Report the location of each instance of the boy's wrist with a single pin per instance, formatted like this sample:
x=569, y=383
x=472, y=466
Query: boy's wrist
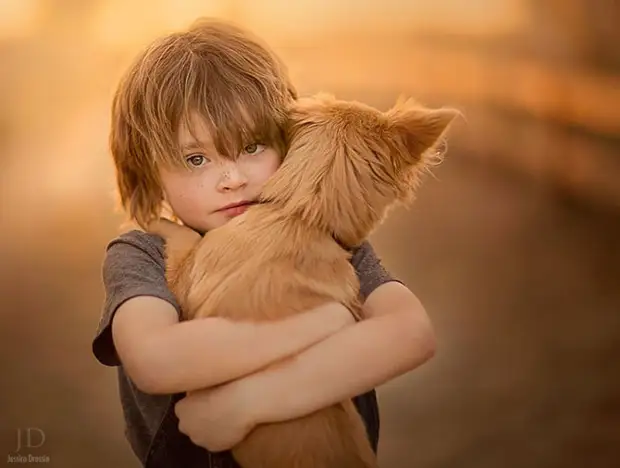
x=253, y=403
x=266, y=393
x=340, y=315
x=260, y=396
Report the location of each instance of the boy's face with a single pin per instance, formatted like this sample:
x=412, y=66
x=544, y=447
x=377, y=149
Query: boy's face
x=216, y=189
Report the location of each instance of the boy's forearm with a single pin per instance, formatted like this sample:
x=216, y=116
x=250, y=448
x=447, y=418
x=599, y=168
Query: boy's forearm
x=349, y=363
x=206, y=352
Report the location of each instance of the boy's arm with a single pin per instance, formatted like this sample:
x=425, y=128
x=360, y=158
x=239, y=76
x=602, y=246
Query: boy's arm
x=163, y=355
x=140, y=329
x=396, y=338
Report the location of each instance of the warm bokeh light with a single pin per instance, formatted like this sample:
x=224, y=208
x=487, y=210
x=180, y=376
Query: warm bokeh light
x=118, y=23
x=307, y=18
x=349, y=46
x=20, y=18
x=513, y=247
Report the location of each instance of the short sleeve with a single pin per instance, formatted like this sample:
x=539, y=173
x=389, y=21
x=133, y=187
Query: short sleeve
x=370, y=272
x=133, y=266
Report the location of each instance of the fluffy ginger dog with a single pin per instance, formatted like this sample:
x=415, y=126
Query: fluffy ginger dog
x=346, y=165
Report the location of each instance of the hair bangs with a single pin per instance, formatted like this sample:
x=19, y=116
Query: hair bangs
x=234, y=109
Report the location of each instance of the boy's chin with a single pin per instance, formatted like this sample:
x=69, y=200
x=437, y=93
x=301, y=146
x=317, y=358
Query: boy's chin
x=213, y=222
x=203, y=227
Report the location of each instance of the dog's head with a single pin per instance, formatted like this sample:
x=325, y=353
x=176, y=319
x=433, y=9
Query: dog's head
x=348, y=163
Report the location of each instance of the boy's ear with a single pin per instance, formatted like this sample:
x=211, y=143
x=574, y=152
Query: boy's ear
x=420, y=128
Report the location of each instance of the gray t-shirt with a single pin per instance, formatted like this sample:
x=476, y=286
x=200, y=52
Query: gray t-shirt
x=134, y=266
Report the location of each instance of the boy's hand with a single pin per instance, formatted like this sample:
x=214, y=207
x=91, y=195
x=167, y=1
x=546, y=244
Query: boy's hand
x=217, y=418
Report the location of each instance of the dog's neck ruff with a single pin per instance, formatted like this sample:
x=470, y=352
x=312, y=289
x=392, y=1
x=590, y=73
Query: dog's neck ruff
x=338, y=241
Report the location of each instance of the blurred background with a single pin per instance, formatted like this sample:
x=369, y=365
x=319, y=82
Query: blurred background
x=513, y=246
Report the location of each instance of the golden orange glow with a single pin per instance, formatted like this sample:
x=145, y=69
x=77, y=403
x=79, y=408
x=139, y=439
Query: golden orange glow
x=120, y=23
x=512, y=246
x=20, y=18
x=354, y=48
x=308, y=18
x=126, y=24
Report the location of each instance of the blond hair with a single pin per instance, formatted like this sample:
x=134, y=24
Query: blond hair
x=214, y=69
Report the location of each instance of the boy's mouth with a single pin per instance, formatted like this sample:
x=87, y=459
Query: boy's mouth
x=237, y=208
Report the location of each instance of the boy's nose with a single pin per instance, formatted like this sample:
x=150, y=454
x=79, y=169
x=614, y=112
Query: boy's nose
x=231, y=177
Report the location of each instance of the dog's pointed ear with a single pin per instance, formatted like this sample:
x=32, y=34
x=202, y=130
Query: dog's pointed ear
x=418, y=127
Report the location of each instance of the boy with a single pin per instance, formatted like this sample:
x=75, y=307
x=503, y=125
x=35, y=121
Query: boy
x=198, y=126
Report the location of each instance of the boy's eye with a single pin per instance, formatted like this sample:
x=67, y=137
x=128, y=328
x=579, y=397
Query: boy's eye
x=196, y=160
x=254, y=148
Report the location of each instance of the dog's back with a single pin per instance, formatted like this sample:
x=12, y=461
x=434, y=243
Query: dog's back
x=261, y=267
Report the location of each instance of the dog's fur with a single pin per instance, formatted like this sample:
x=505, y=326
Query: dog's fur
x=347, y=164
